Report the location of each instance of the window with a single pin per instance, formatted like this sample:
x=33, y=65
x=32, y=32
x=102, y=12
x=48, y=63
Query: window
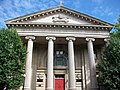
x=39, y=80
x=60, y=59
x=78, y=80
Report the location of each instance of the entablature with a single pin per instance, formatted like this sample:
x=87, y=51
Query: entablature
x=55, y=25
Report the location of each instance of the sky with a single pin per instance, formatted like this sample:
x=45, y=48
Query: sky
x=107, y=10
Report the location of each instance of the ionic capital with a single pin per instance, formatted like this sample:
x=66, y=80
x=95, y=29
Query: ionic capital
x=90, y=39
x=50, y=38
x=106, y=39
x=70, y=38
x=30, y=37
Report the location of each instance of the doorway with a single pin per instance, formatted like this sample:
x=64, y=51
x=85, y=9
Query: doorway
x=59, y=82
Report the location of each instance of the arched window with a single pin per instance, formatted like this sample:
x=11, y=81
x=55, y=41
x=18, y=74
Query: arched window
x=60, y=59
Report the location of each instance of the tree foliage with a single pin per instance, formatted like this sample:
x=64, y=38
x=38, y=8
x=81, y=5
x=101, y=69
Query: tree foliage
x=117, y=29
x=12, y=59
x=110, y=65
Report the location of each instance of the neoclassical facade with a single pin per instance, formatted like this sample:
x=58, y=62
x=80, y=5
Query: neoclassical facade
x=63, y=48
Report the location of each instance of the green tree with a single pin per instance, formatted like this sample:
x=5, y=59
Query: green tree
x=12, y=59
x=117, y=29
x=110, y=65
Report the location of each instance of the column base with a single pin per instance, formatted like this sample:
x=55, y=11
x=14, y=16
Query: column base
x=49, y=88
x=74, y=88
x=94, y=88
x=27, y=88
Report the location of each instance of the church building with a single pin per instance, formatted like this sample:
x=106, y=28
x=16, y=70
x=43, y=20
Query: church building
x=64, y=47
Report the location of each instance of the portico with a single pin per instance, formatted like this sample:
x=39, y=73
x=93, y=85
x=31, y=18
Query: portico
x=63, y=48
x=70, y=43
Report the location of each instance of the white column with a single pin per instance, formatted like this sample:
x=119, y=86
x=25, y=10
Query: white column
x=93, y=78
x=72, y=79
x=28, y=73
x=50, y=79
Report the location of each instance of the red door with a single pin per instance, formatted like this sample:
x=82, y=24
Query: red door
x=59, y=83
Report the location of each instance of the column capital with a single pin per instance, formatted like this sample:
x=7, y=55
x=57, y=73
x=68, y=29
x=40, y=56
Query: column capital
x=50, y=37
x=106, y=39
x=30, y=37
x=70, y=38
x=90, y=39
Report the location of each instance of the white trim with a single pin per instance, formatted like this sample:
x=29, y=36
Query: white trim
x=84, y=35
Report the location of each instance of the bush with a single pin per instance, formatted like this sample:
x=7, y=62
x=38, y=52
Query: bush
x=12, y=59
x=110, y=65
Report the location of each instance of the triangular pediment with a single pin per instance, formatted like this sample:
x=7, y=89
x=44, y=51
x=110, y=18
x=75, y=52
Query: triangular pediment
x=59, y=18
x=58, y=15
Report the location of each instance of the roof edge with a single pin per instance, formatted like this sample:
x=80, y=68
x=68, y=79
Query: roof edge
x=59, y=7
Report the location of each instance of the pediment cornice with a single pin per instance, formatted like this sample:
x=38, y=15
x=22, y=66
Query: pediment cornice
x=59, y=9
x=61, y=26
